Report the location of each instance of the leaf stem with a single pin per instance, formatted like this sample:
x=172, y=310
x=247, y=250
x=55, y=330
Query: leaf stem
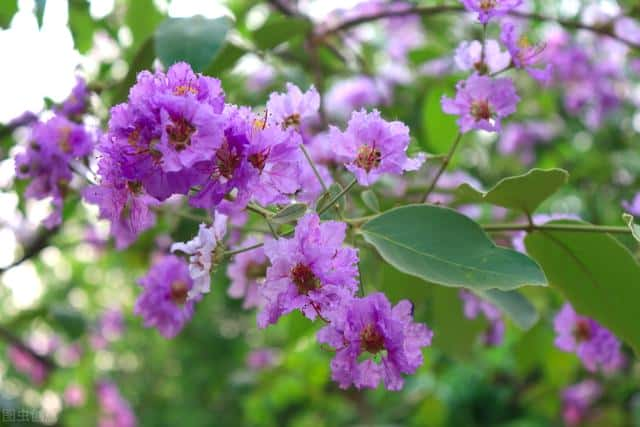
x=443, y=166
x=337, y=197
x=313, y=167
x=586, y=228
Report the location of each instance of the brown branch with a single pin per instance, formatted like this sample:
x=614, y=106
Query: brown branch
x=9, y=337
x=37, y=245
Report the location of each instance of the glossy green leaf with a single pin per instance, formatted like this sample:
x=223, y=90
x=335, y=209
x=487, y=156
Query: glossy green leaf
x=225, y=59
x=595, y=272
x=439, y=129
x=82, y=25
x=279, y=30
x=8, y=8
x=513, y=304
x=195, y=40
x=442, y=246
x=289, y=214
x=370, y=200
x=523, y=192
x=142, y=18
x=635, y=229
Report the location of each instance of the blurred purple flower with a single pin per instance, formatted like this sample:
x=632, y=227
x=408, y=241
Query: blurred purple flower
x=475, y=306
x=115, y=411
x=577, y=401
x=247, y=272
x=488, y=9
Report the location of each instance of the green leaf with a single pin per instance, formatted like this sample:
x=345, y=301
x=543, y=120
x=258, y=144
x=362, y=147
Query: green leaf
x=370, y=200
x=279, y=30
x=595, y=272
x=513, y=304
x=81, y=25
x=195, y=40
x=142, y=18
x=442, y=246
x=523, y=192
x=289, y=214
x=39, y=11
x=635, y=229
x=225, y=59
x=8, y=8
x=142, y=61
x=332, y=192
x=68, y=319
x=439, y=130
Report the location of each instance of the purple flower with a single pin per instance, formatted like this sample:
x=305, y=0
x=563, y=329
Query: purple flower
x=310, y=186
x=293, y=108
x=74, y=396
x=517, y=240
x=247, y=272
x=488, y=9
x=469, y=57
x=371, y=146
x=474, y=307
x=109, y=328
x=261, y=359
x=76, y=104
x=482, y=102
x=356, y=92
x=311, y=272
x=163, y=303
x=46, y=161
x=521, y=138
x=115, y=411
x=596, y=346
x=633, y=207
x=25, y=362
x=387, y=338
x=627, y=29
x=206, y=250
x=524, y=54
x=577, y=400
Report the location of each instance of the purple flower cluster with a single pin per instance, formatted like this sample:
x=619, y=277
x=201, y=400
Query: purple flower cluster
x=46, y=162
x=524, y=54
x=577, y=401
x=164, y=302
x=474, y=307
x=115, y=411
x=595, y=345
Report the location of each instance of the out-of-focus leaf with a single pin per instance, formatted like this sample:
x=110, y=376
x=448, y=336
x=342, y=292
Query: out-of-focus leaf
x=513, y=304
x=142, y=18
x=332, y=192
x=595, y=272
x=442, y=246
x=523, y=192
x=438, y=129
x=142, y=61
x=290, y=213
x=225, y=59
x=69, y=320
x=40, y=6
x=370, y=200
x=195, y=40
x=635, y=229
x=8, y=8
x=82, y=25
x=279, y=30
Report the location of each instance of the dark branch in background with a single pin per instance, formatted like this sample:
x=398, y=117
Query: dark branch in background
x=605, y=30
x=40, y=242
x=7, y=336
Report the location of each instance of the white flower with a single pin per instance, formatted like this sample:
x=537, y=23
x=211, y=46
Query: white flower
x=202, y=249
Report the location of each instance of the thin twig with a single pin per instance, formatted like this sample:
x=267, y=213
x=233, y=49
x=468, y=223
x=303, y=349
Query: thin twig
x=443, y=166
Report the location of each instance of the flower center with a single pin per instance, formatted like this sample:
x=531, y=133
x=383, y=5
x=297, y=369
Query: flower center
x=183, y=89
x=481, y=110
x=179, y=291
x=487, y=5
x=135, y=187
x=304, y=278
x=582, y=331
x=134, y=137
x=227, y=160
x=292, y=120
x=180, y=132
x=368, y=158
x=371, y=339
x=256, y=270
x=259, y=160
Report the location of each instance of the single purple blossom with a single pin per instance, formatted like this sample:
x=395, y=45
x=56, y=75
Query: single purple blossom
x=311, y=272
x=262, y=359
x=371, y=146
x=385, y=336
x=205, y=251
x=76, y=104
x=482, y=102
x=577, y=401
x=487, y=9
x=469, y=56
x=294, y=108
x=524, y=54
x=633, y=207
x=596, y=346
x=247, y=272
x=354, y=93
x=475, y=306
x=163, y=303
